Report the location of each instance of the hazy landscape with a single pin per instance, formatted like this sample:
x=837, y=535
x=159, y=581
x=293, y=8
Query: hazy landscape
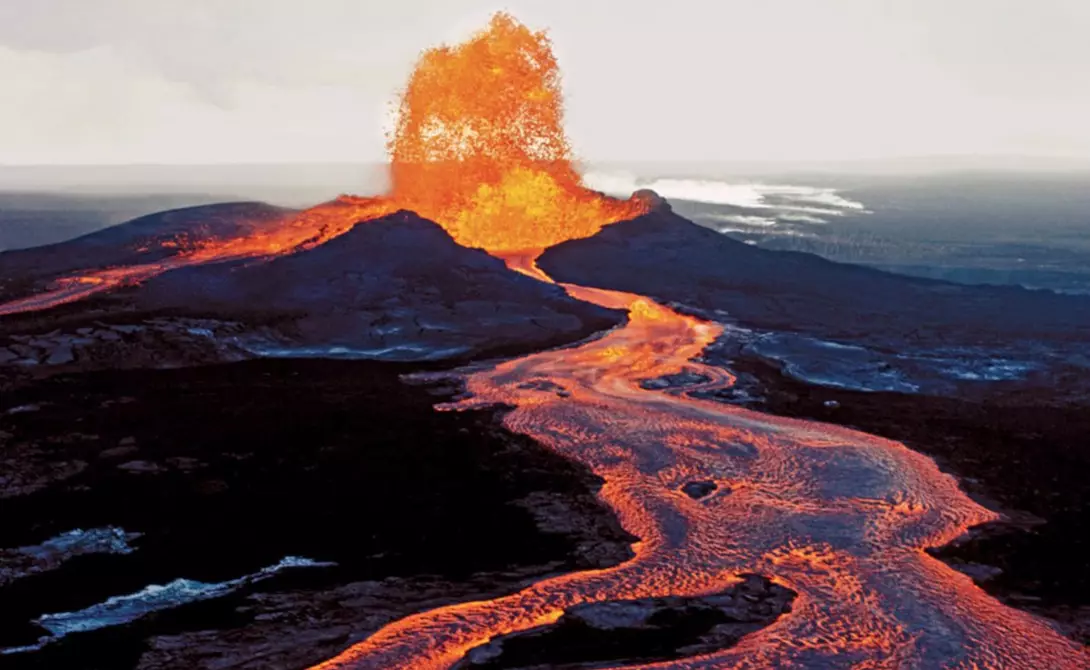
x=978, y=226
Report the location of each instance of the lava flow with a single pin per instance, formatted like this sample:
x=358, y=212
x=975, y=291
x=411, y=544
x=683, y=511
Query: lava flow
x=839, y=516
x=306, y=230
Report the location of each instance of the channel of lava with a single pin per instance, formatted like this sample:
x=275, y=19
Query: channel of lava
x=839, y=516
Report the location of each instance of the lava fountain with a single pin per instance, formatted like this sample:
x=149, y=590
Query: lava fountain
x=480, y=147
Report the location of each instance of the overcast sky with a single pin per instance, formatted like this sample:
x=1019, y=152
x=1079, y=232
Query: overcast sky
x=220, y=81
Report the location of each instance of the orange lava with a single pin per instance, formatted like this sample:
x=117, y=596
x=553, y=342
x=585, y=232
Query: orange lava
x=839, y=516
x=307, y=229
x=480, y=148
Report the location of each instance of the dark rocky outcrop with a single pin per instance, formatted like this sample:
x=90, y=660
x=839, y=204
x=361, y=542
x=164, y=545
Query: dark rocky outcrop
x=700, y=489
x=638, y=631
x=398, y=282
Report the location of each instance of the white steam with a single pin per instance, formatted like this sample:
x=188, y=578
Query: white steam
x=768, y=204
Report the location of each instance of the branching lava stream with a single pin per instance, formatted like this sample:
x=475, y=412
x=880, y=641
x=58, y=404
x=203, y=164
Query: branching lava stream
x=839, y=516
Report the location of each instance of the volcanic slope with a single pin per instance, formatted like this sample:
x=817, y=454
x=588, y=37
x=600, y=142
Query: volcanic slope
x=665, y=256
x=145, y=240
x=395, y=287
x=394, y=283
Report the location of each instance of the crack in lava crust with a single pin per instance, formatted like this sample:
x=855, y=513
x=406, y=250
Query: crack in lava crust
x=839, y=516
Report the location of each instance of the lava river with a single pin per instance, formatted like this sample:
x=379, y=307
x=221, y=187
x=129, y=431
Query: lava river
x=839, y=516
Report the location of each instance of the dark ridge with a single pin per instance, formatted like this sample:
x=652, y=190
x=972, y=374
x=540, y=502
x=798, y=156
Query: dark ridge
x=141, y=240
x=375, y=260
x=398, y=283
x=665, y=256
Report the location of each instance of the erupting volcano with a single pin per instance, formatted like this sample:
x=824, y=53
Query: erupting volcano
x=479, y=148
x=840, y=517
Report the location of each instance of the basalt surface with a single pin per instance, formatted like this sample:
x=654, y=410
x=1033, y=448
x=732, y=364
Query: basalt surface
x=397, y=287
x=210, y=473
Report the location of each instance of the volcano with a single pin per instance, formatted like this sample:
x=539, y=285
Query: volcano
x=560, y=331
x=663, y=255
x=397, y=286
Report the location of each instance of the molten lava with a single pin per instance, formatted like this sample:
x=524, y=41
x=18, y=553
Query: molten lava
x=308, y=229
x=841, y=517
x=480, y=148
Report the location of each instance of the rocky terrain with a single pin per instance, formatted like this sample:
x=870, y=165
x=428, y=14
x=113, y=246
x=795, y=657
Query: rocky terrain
x=838, y=324
x=392, y=288
x=147, y=239
x=265, y=513
x=638, y=631
x=123, y=344
x=232, y=515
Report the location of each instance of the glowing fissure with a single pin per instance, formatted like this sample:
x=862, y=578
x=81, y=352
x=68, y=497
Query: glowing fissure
x=839, y=516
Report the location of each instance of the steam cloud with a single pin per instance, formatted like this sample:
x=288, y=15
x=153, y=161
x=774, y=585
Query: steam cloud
x=784, y=203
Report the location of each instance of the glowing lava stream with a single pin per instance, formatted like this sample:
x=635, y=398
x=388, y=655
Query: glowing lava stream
x=307, y=229
x=839, y=516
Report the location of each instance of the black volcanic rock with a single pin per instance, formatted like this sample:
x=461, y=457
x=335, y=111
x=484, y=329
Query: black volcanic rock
x=626, y=632
x=700, y=489
x=396, y=287
x=210, y=473
x=138, y=241
x=670, y=258
x=653, y=201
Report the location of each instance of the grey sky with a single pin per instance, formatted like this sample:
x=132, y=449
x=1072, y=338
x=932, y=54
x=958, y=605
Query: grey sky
x=200, y=81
